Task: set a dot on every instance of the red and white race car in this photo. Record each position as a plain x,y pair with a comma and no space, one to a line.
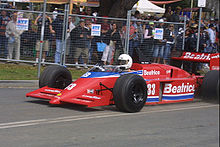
129,89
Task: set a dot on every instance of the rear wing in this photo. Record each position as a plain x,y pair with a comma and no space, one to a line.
212,59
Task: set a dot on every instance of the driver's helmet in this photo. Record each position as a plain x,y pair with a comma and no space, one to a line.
125,61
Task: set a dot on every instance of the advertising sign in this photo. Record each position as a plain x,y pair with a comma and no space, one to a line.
96,30
201,3
158,33
22,24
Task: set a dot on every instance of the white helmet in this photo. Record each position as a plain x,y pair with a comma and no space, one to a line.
125,61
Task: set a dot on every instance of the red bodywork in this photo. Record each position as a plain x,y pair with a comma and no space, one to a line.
165,84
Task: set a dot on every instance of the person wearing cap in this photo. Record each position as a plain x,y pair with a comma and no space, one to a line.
55,13
80,36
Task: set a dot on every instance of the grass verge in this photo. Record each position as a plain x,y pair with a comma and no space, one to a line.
27,72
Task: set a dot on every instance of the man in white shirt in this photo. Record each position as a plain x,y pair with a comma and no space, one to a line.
212,38
13,35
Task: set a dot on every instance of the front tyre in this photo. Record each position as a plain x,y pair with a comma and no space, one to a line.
55,76
130,93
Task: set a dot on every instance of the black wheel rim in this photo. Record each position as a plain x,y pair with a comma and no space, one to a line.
137,93
61,82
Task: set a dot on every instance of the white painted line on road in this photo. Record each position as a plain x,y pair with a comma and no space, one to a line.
86,117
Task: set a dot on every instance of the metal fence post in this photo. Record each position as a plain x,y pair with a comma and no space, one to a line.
184,33
66,28
127,32
198,38
42,38
64,35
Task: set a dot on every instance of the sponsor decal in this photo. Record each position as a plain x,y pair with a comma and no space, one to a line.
168,71
50,90
93,97
215,67
184,88
90,91
71,86
86,75
151,72
202,56
216,56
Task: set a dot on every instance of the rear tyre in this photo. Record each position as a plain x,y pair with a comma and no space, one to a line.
210,85
55,76
130,93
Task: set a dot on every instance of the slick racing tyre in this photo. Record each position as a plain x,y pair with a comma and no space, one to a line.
210,85
55,76
130,93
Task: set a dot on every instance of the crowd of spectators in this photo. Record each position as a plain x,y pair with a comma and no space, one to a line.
82,48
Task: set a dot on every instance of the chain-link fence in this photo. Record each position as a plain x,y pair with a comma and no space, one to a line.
80,40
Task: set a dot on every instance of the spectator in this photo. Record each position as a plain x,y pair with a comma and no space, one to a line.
76,10
55,13
170,37
89,12
133,42
88,25
13,35
106,38
140,32
212,38
191,47
147,45
58,28
137,15
217,33
187,37
175,17
192,40
47,30
28,41
117,44
71,26
159,46
81,36
105,25
168,14
204,37
4,19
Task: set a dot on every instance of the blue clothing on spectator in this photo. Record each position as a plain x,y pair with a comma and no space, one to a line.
59,46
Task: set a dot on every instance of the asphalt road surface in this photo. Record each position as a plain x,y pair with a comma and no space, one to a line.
28,122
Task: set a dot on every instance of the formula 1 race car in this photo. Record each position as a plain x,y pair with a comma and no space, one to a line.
128,85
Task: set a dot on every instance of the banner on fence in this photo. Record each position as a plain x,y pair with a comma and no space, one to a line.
96,30
22,24
158,33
